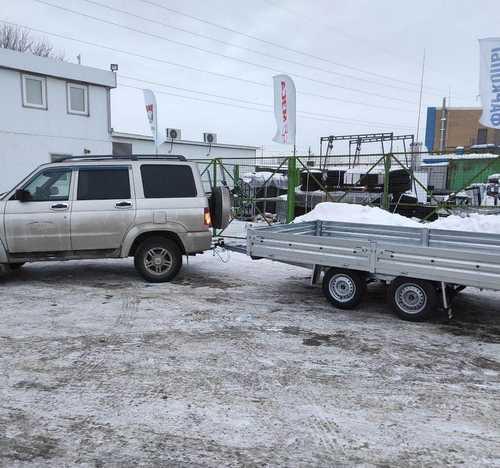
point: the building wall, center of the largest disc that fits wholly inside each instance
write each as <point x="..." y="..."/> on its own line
<point x="236" y="159"/>
<point x="28" y="136"/>
<point x="229" y="153"/>
<point x="462" y="127"/>
<point x="462" y="173"/>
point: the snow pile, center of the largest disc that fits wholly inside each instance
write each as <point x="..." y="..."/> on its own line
<point x="350" y="213"/>
<point x="488" y="224"/>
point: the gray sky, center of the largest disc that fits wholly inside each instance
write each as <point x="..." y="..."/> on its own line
<point x="378" y="44"/>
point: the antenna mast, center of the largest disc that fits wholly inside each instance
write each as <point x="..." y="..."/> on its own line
<point x="420" y="98"/>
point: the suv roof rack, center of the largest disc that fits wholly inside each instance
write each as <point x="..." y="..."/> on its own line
<point x="132" y="157"/>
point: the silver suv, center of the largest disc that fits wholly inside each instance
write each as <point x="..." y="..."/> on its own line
<point x="147" y="207"/>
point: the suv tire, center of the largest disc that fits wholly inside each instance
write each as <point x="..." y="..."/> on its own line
<point x="158" y="260"/>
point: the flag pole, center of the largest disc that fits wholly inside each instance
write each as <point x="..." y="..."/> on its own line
<point x="292" y="183"/>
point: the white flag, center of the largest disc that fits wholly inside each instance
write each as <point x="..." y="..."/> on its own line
<point x="284" y="109"/>
<point x="489" y="81"/>
<point x="151" y="112"/>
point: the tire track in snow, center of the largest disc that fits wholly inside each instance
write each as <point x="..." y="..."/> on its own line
<point x="89" y="363"/>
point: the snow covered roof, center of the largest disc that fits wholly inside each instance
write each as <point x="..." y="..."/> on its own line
<point x="450" y="157"/>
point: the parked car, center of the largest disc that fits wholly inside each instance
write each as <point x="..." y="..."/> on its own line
<point x="147" y="207"/>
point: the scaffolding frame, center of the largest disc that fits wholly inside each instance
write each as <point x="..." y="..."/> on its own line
<point x="357" y="140"/>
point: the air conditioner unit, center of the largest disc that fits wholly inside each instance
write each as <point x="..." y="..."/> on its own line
<point x="173" y="134"/>
<point x="210" y="138"/>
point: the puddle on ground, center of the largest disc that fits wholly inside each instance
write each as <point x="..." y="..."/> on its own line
<point x="316" y="340"/>
<point x="484" y="333"/>
<point x="205" y="281"/>
<point x="488" y="364"/>
<point x="339" y="339"/>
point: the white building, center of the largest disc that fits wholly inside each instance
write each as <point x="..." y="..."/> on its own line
<point x="128" y="143"/>
<point x="51" y="109"/>
<point x="48" y="109"/>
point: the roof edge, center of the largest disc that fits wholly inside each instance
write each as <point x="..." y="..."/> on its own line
<point x="29" y="63"/>
<point x="137" y="136"/>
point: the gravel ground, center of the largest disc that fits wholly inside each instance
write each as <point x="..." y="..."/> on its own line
<point x="237" y="364"/>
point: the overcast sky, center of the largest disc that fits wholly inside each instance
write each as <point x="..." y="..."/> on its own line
<point x="365" y="52"/>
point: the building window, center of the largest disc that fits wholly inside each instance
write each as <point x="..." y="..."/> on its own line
<point x="482" y="136"/>
<point x="58" y="157"/>
<point x="78" y="102"/>
<point x="34" y="91"/>
<point x="122" y="149"/>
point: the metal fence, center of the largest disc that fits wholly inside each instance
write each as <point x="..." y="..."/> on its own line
<point x="279" y="189"/>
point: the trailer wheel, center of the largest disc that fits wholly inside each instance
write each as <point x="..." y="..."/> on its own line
<point x="413" y="299"/>
<point x="344" y="288"/>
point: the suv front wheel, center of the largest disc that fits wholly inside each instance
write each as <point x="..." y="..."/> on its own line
<point x="158" y="259"/>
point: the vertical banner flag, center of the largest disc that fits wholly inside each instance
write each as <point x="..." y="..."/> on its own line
<point x="284" y="109"/>
<point x="489" y="81"/>
<point x="151" y="112"/>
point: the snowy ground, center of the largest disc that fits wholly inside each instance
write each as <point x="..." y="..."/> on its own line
<point x="237" y="364"/>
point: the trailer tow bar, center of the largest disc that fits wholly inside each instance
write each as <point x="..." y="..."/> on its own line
<point x="446" y="304"/>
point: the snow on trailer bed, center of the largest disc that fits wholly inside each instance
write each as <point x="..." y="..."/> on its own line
<point x="425" y="267"/>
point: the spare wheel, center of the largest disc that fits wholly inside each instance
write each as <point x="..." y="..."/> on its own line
<point x="220" y="207"/>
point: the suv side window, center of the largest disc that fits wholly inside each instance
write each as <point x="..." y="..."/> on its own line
<point x="168" y="181"/>
<point x="50" y="185"/>
<point x="103" y="183"/>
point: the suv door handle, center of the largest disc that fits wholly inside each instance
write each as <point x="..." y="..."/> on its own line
<point x="59" y="206"/>
<point x="123" y="204"/>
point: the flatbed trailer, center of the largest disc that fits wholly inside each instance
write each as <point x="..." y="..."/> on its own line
<point x="425" y="268"/>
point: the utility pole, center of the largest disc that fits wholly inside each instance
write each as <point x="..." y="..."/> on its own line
<point x="444" y="118"/>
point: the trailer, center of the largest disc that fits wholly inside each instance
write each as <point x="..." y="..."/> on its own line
<point x="424" y="268"/>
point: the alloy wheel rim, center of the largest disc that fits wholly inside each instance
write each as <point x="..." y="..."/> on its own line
<point x="158" y="261"/>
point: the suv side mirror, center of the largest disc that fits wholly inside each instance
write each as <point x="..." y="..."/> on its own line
<point x="22" y="195"/>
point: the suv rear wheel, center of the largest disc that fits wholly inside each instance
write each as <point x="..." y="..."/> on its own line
<point x="158" y="259"/>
